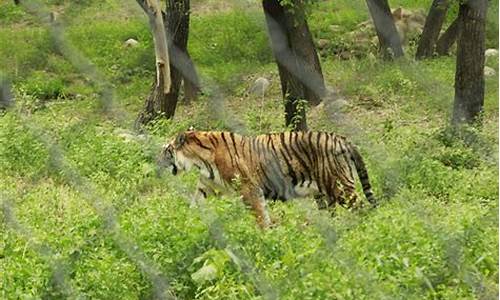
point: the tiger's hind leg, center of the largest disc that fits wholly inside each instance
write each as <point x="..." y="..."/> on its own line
<point x="321" y="200"/>
<point x="346" y="195"/>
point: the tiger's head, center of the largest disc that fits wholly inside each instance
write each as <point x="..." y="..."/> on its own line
<point x="187" y="150"/>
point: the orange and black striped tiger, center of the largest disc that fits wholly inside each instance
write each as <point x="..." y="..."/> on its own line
<point x="276" y="166"/>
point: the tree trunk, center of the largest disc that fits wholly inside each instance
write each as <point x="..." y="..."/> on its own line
<point x="303" y="45"/>
<point x="176" y="23"/>
<point x="447" y="39"/>
<point x="469" y="76"/>
<point x="157" y="99"/>
<point x="298" y="63"/>
<point x="192" y="87"/>
<point x="432" y="28"/>
<point x="390" y="43"/>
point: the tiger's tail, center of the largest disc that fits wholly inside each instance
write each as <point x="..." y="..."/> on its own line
<point x="363" y="175"/>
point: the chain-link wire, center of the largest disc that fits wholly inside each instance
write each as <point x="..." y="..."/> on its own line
<point x="107" y="212"/>
<point x="87" y="189"/>
<point x="59" y="267"/>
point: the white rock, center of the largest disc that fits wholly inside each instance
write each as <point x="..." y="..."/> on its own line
<point x="260" y="86"/>
<point x="488" y="72"/>
<point x="339" y="104"/>
<point x="129" y="136"/>
<point x="131" y="43"/>
<point x="322" y="43"/>
<point x="335" y="28"/>
<point x="491" y="52"/>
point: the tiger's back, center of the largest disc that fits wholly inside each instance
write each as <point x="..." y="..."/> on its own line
<point x="295" y="164"/>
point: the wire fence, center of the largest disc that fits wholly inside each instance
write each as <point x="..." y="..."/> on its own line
<point x="106" y="211"/>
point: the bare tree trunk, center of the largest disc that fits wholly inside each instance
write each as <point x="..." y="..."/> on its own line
<point x="192" y="86"/>
<point x="156" y="103"/>
<point x="298" y="63"/>
<point x="303" y="45"/>
<point x="389" y="40"/>
<point x="432" y="28"/>
<point x="447" y="39"/>
<point x="469" y="76"/>
<point x="177" y="22"/>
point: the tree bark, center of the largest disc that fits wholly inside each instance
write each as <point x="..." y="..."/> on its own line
<point x="192" y="87"/>
<point x="298" y="63"/>
<point x="390" y="43"/>
<point x="447" y="39"/>
<point x="432" y="28"/>
<point x="302" y="42"/>
<point x="157" y="100"/>
<point x="176" y="24"/>
<point x="469" y="76"/>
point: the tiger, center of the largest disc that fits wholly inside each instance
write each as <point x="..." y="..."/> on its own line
<point x="277" y="166"/>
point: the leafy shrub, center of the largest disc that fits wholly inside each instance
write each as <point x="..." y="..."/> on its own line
<point x="22" y="153"/>
<point x="43" y="86"/>
<point x="24" y="50"/>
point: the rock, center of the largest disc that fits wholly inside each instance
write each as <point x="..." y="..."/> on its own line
<point x="371" y="57"/>
<point x="205" y="273"/>
<point x="260" y="86"/>
<point x="491" y="52"/>
<point x="488" y="72"/>
<point x="338" y="104"/>
<point x="131" y="43"/>
<point x="409" y="23"/>
<point x="129" y="136"/>
<point x="345" y="55"/>
<point x="53" y="16"/>
<point x="322" y="43"/>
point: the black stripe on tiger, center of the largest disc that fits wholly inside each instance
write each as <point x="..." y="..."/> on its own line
<point x="276" y="177"/>
<point x="285" y="148"/>
<point x="234" y="143"/>
<point x="227" y="147"/>
<point x="199" y="143"/>
<point x="362" y="174"/>
<point x="213" y="140"/>
<point x="289" y="167"/>
<point x="299" y="158"/>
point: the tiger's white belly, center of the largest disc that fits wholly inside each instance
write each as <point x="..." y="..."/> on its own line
<point x="307" y="188"/>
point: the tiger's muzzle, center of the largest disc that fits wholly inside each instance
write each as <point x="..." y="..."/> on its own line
<point x="166" y="160"/>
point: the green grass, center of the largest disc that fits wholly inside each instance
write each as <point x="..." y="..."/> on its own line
<point x="229" y="44"/>
<point x="434" y="236"/>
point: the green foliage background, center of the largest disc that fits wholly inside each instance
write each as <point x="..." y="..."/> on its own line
<point x="435" y="234"/>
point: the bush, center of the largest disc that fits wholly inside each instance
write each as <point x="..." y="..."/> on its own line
<point x="43" y="86"/>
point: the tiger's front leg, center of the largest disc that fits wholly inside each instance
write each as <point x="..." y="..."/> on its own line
<point x="204" y="189"/>
<point x="254" y="197"/>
